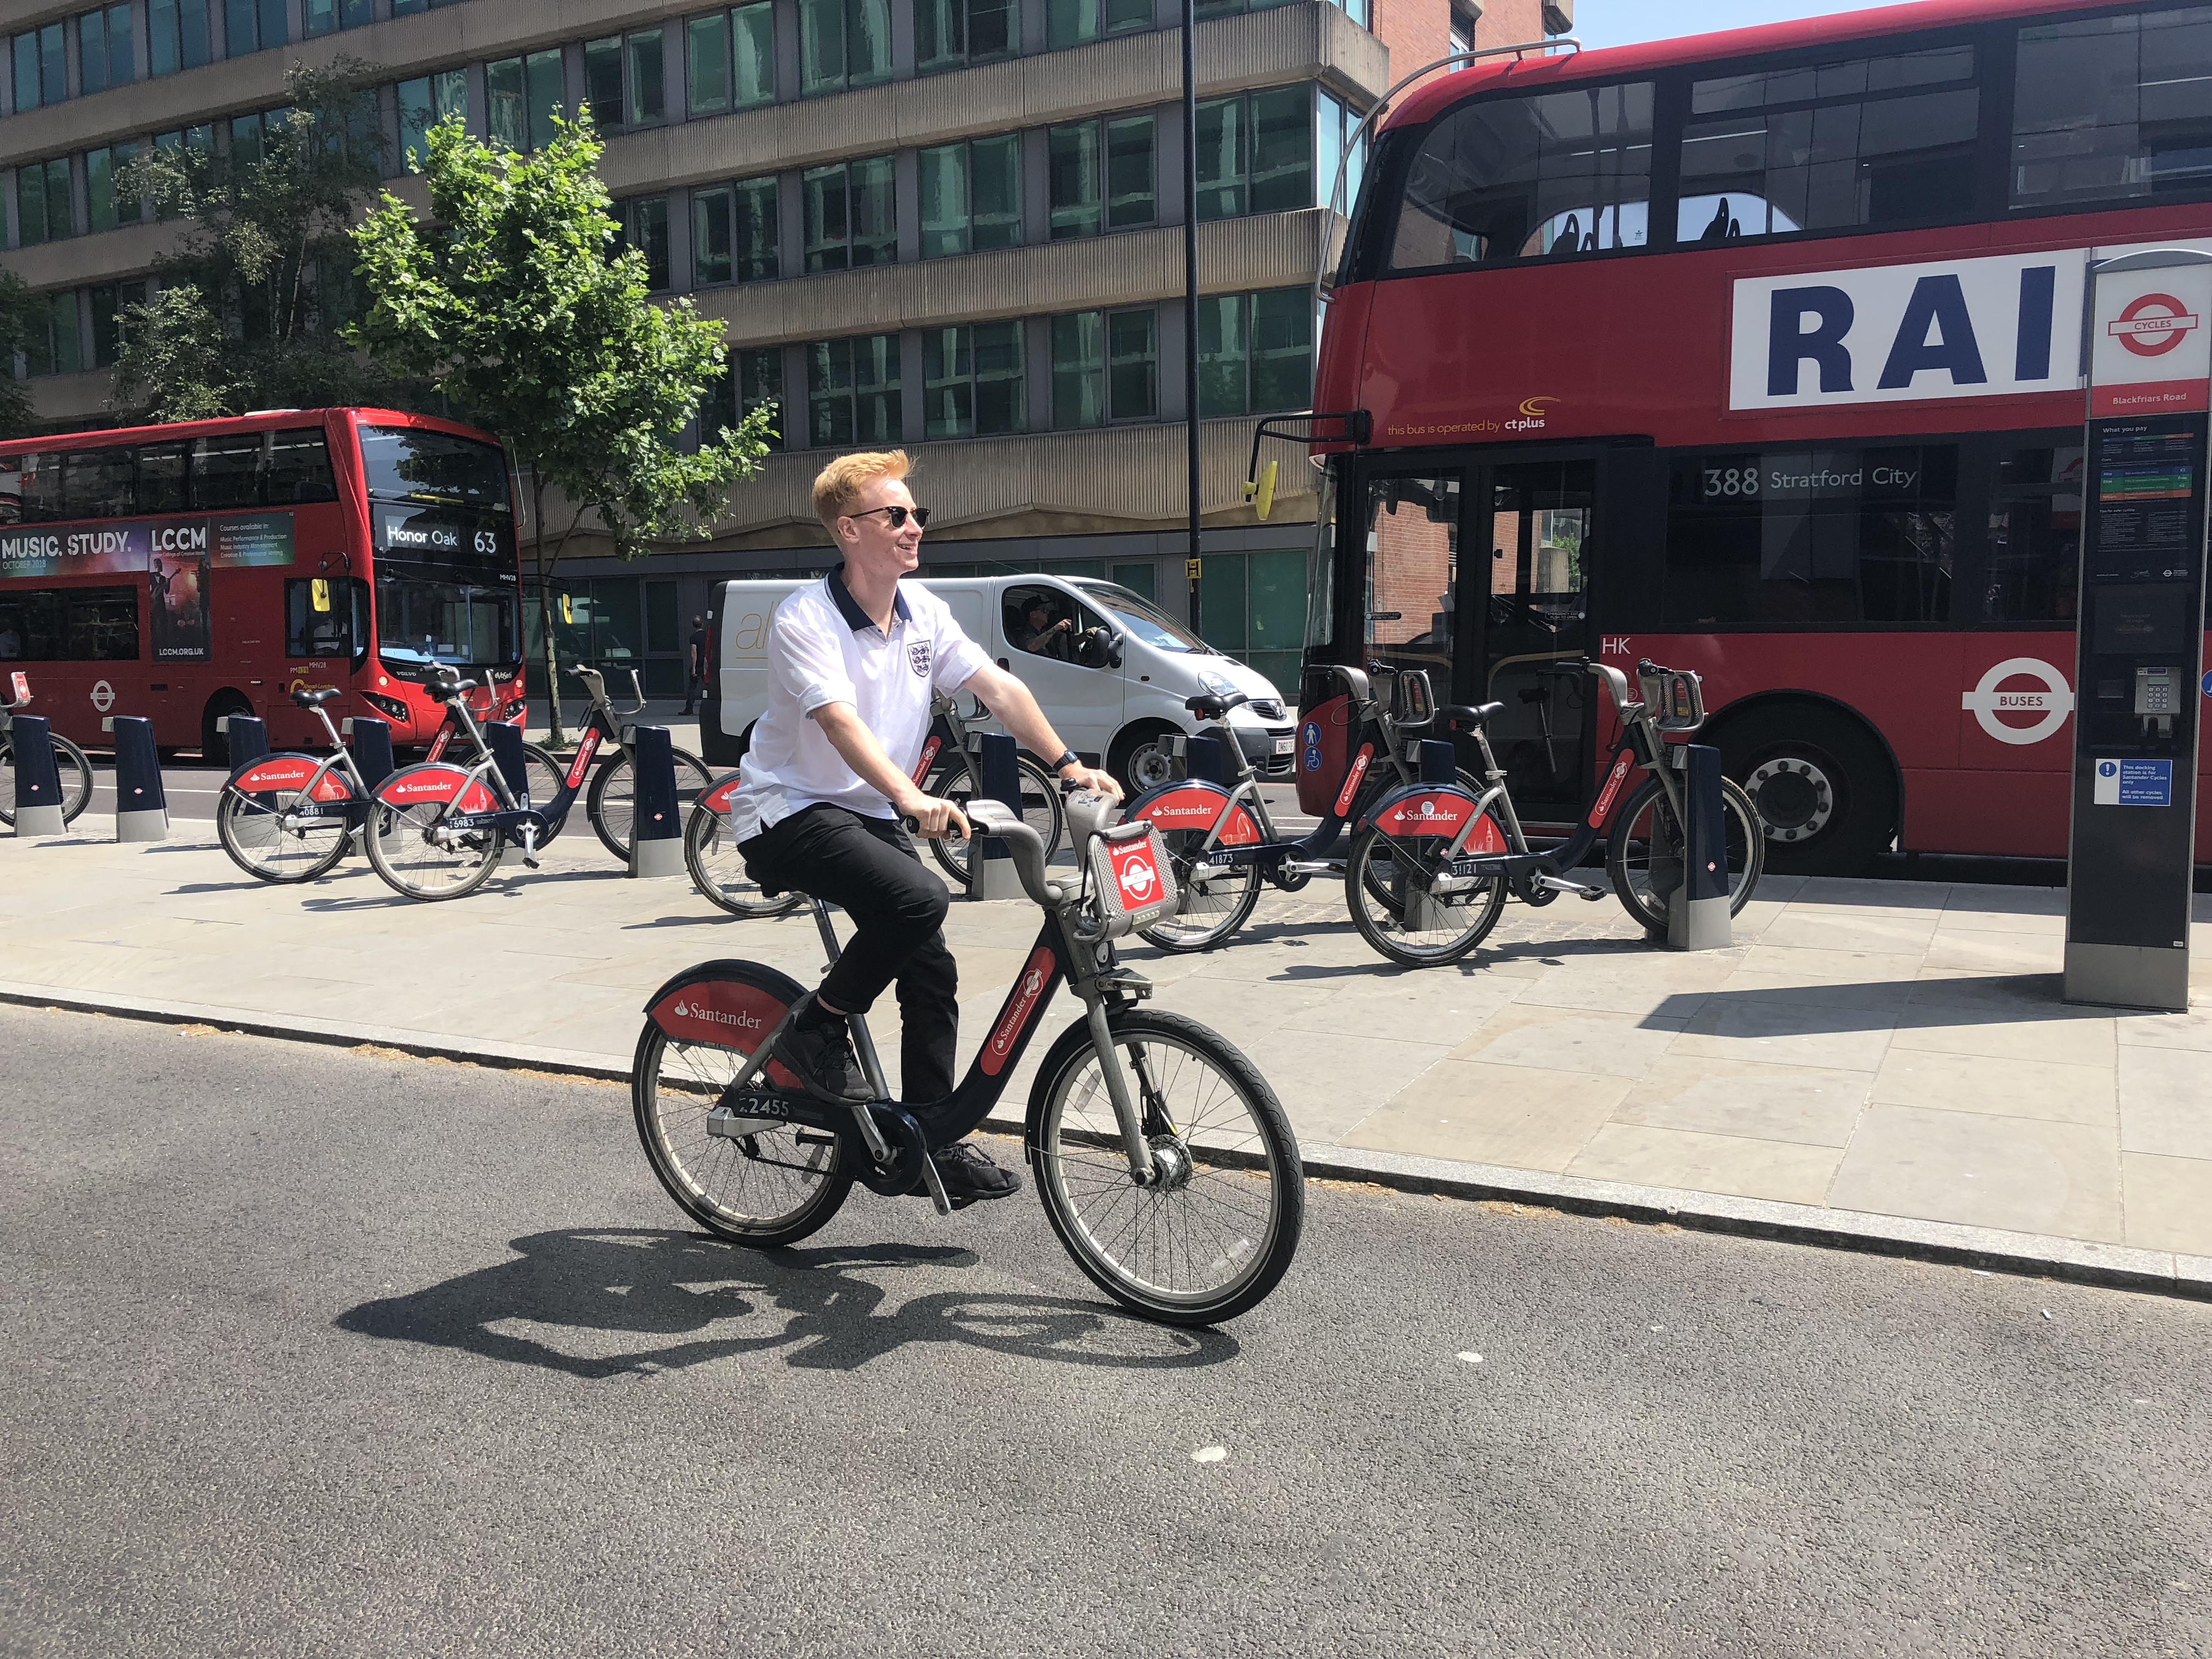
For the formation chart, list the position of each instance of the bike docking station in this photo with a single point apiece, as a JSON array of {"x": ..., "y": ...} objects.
[
  {"x": 246, "y": 736},
  {"x": 1698, "y": 900},
  {"x": 372, "y": 750},
  {"x": 1439, "y": 764},
  {"x": 2147, "y": 354},
  {"x": 991, "y": 873},
  {"x": 142, "y": 810},
  {"x": 656, "y": 833},
  {"x": 38, "y": 779}
]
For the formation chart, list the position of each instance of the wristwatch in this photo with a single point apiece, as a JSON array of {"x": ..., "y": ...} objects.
[{"x": 1067, "y": 757}]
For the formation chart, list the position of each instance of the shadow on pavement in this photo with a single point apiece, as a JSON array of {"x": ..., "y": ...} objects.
[
  {"x": 1991, "y": 999},
  {"x": 600, "y": 1302}
]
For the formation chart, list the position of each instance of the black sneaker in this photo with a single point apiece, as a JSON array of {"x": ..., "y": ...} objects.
[
  {"x": 969, "y": 1174},
  {"x": 819, "y": 1053}
]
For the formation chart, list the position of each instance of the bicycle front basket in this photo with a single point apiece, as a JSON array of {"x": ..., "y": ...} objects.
[{"x": 1131, "y": 878}]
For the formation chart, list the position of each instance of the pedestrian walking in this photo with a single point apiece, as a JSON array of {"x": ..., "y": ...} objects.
[{"x": 694, "y": 664}]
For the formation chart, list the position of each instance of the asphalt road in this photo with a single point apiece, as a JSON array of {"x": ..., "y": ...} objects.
[{"x": 316, "y": 1353}]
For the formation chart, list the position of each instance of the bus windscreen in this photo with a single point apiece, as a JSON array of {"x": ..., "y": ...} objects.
[
  {"x": 413, "y": 464},
  {"x": 420, "y": 620}
]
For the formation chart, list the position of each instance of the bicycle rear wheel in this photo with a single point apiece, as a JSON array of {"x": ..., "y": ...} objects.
[
  {"x": 1647, "y": 820},
  {"x": 710, "y": 853},
  {"x": 71, "y": 767},
  {"x": 768, "y": 1188},
  {"x": 1212, "y": 902},
  {"x": 1385, "y": 887},
  {"x": 251, "y": 831},
  {"x": 612, "y": 802},
  {"x": 1218, "y": 1233},
  {"x": 410, "y": 845},
  {"x": 954, "y": 780}
]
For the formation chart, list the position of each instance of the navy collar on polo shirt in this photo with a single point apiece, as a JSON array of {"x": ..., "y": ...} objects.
[{"x": 849, "y": 608}]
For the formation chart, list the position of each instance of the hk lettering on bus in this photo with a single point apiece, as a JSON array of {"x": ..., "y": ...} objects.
[{"x": 1954, "y": 328}]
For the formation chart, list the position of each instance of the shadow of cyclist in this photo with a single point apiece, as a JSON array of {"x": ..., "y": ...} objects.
[{"x": 599, "y": 1303}]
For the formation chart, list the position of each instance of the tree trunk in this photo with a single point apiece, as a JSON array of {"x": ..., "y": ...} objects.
[{"x": 553, "y": 734}]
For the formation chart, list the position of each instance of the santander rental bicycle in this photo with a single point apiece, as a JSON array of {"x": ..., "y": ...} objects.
[
  {"x": 70, "y": 762},
  {"x": 1162, "y": 1159}
]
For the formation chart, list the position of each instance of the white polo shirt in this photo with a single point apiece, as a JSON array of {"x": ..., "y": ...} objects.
[{"x": 824, "y": 648}]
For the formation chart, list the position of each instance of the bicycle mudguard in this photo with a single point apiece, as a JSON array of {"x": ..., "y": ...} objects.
[
  {"x": 439, "y": 782},
  {"x": 729, "y": 1004},
  {"x": 276, "y": 772},
  {"x": 1435, "y": 809},
  {"x": 1192, "y": 805},
  {"x": 717, "y": 799}
]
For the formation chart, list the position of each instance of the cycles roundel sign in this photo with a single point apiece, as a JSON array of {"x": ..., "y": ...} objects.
[
  {"x": 1997, "y": 696},
  {"x": 2152, "y": 324}
]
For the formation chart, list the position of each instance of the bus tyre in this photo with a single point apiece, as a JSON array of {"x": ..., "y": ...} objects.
[
  {"x": 1821, "y": 783},
  {"x": 1140, "y": 759},
  {"x": 215, "y": 747}
]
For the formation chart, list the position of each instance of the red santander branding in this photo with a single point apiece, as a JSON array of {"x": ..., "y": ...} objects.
[
  {"x": 440, "y": 783},
  {"x": 1613, "y": 783},
  {"x": 727, "y": 1013},
  {"x": 1136, "y": 872},
  {"x": 1351, "y": 779},
  {"x": 1014, "y": 1019},
  {"x": 717, "y": 799},
  {"x": 1432, "y": 813},
  {"x": 438, "y": 749},
  {"x": 282, "y": 772},
  {"x": 1194, "y": 807},
  {"x": 585, "y": 750},
  {"x": 928, "y": 754}
]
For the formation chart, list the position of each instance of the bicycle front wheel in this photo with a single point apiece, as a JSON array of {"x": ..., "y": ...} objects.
[
  {"x": 769, "y": 1187},
  {"x": 412, "y": 848},
  {"x": 954, "y": 780},
  {"x": 1211, "y": 901},
  {"x": 612, "y": 802},
  {"x": 251, "y": 829},
  {"x": 1388, "y": 887},
  {"x": 1647, "y": 825},
  {"x": 710, "y": 853},
  {"x": 1216, "y": 1231},
  {"x": 71, "y": 767}
]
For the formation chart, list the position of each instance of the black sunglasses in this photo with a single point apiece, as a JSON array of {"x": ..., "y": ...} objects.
[{"x": 896, "y": 515}]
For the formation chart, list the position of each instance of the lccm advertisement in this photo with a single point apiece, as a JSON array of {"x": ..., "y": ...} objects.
[{"x": 174, "y": 555}]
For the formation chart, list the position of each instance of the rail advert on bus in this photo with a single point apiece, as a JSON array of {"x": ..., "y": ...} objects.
[
  {"x": 1760, "y": 353},
  {"x": 195, "y": 571}
]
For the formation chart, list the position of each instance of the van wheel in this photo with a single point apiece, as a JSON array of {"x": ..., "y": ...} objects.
[
  {"x": 215, "y": 747},
  {"x": 1140, "y": 760},
  {"x": 1826, "y": 790}
]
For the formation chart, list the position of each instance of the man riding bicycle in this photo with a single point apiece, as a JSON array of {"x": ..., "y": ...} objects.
[{"x": 854, "y": 660}]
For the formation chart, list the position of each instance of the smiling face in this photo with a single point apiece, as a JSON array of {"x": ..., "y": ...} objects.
[{"x": 869, "y": 544}]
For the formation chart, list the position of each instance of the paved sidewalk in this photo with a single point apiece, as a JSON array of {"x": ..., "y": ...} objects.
[{"x": 1863, "y": 1049}]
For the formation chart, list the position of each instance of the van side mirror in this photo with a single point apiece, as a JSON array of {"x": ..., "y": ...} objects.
[{"x": 1114, "y": 650}]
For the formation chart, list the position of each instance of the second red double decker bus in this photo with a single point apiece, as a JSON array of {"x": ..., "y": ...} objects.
[
  {"x": 194, "y": 571},
  {"x": 1758, "y": 354}
]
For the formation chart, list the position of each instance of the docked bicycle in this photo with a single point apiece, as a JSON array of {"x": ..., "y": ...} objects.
[
  {"x": 1162, "y": 1159},
  {"x": 70, "y": 764}
]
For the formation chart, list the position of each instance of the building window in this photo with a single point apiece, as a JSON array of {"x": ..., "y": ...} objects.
[
  {"x": 755, "y": 378},
  {"x": 626, "y": 79},
  {"x": 1336, "y": 127},
  {"x": 253, "y": 26},
  {"x": 328, "y": 16},
  {"x": 1105, "y": 368},
  {"x": 1254, "y": 352},
  {"x": 109, "y": 301},
  {"x": 100, "y": 166},
  {"x": 1255, "y": 153},
  {"x": 423, "y": 102},
  {"x": 949, "y": 33},
  {"x": 2112, "y": 109},
  {"x": 250, "y": 134},
  {"x": 408, "y": 8},
  {"x": 971, "y": 197},
  {"x": 644, "y": 221},
  {"x": 104, "y": 56},
  {"x": 733, "y": 234},
  {"x": 851, "y": 214},
  {"x": 52, "y": 341},
  {"x": 41, "y": 68},
  {"x": 843, "y": 43},
  {"x": 525, "y": 94},
  {"x": 731, "y": 56},
  {"x": 853, "y": 391},
  {"x": 45, "y": 207},
  {"x": 973, "y": 379},
  {"x": 177, "y": 35},
  {"x": 1102, "y": 175},
  {"x": 1858, "y": 142},
  {"x": 1207, "y": 9},
  {"x": 201, "y": 138},
  {"x": 1071, "y": 22}
]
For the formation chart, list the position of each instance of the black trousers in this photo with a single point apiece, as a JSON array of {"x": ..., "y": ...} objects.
[{"x": 869, "y": 869}]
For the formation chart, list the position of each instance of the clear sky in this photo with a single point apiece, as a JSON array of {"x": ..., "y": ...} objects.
[{"x": 1624, "y": 22}]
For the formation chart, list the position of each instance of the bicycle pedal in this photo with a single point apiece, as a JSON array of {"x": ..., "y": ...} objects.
[
  {"x": 1581, "y": 890},
  {"x": 935, "y": 1183}
]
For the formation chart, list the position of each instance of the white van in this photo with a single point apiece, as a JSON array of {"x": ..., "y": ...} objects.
[{"x": 1113, "y": 681}]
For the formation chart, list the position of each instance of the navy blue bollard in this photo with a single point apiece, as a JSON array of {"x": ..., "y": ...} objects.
[
  {"x": 141, "y": 810},
  {"x": 1698, "y": 909},
  {"x": 990, "y": 865},
  {"x": 1439, "y": 762},
  {"x": 506, "y": 744},
  {"x": 656, "y": 832},
  {"x": 371, "y": 751},
  {"x": 1203, "y": 761},
  {"x": 246, "y": 737},
  {"x": 38, "y": 779}
]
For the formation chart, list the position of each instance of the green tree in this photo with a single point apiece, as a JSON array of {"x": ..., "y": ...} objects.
[
  {"x": 514, "y": 303},
  {"x": 16, "y": 303},
  {"x": 253, "y": 295}
]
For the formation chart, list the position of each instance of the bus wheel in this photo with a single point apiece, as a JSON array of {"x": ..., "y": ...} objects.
[
  {"x": 1825, "y": 791},
  {"x": 215, "y": 747}
]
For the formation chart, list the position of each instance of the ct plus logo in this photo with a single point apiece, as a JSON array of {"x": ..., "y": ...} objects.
[
  {"x": 1532, "y": 414},
  {"x": 2051, "y": 705},
  {"x": 2152, "y": 324}
]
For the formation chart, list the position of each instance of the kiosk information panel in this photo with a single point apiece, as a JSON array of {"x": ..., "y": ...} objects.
[{"x": 2141, "y": 632}]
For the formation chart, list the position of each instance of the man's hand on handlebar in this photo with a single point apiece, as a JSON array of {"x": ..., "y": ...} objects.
[
  {"x": 933, "y": 818},
  {"x": 1096, "y": 780}
]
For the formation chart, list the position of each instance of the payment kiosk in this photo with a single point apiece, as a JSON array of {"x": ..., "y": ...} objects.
[{"x": 2140, "y": 629}]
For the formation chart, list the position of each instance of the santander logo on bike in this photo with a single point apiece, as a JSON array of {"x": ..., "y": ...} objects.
[
  {"x": 1016, "y": 1017},
  {"x": 1351, "y": 782},
  {"x": 716, "y": 1016}
]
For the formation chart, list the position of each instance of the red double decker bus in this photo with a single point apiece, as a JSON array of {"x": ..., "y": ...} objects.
[
  {"x": 195, "y": 571},
  {"x": 1759, "y": 354}
]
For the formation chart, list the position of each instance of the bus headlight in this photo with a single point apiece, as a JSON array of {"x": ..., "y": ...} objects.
[{"x": 391, "y": 707}]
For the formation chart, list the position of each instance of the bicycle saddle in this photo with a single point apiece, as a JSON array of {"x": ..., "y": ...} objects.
[
  {"x": 1213, "y": 708},
  {"x": 1464, "y": 715},
  {"x": 317, "y": 697},
  {"x": 447, "y": 691}
]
